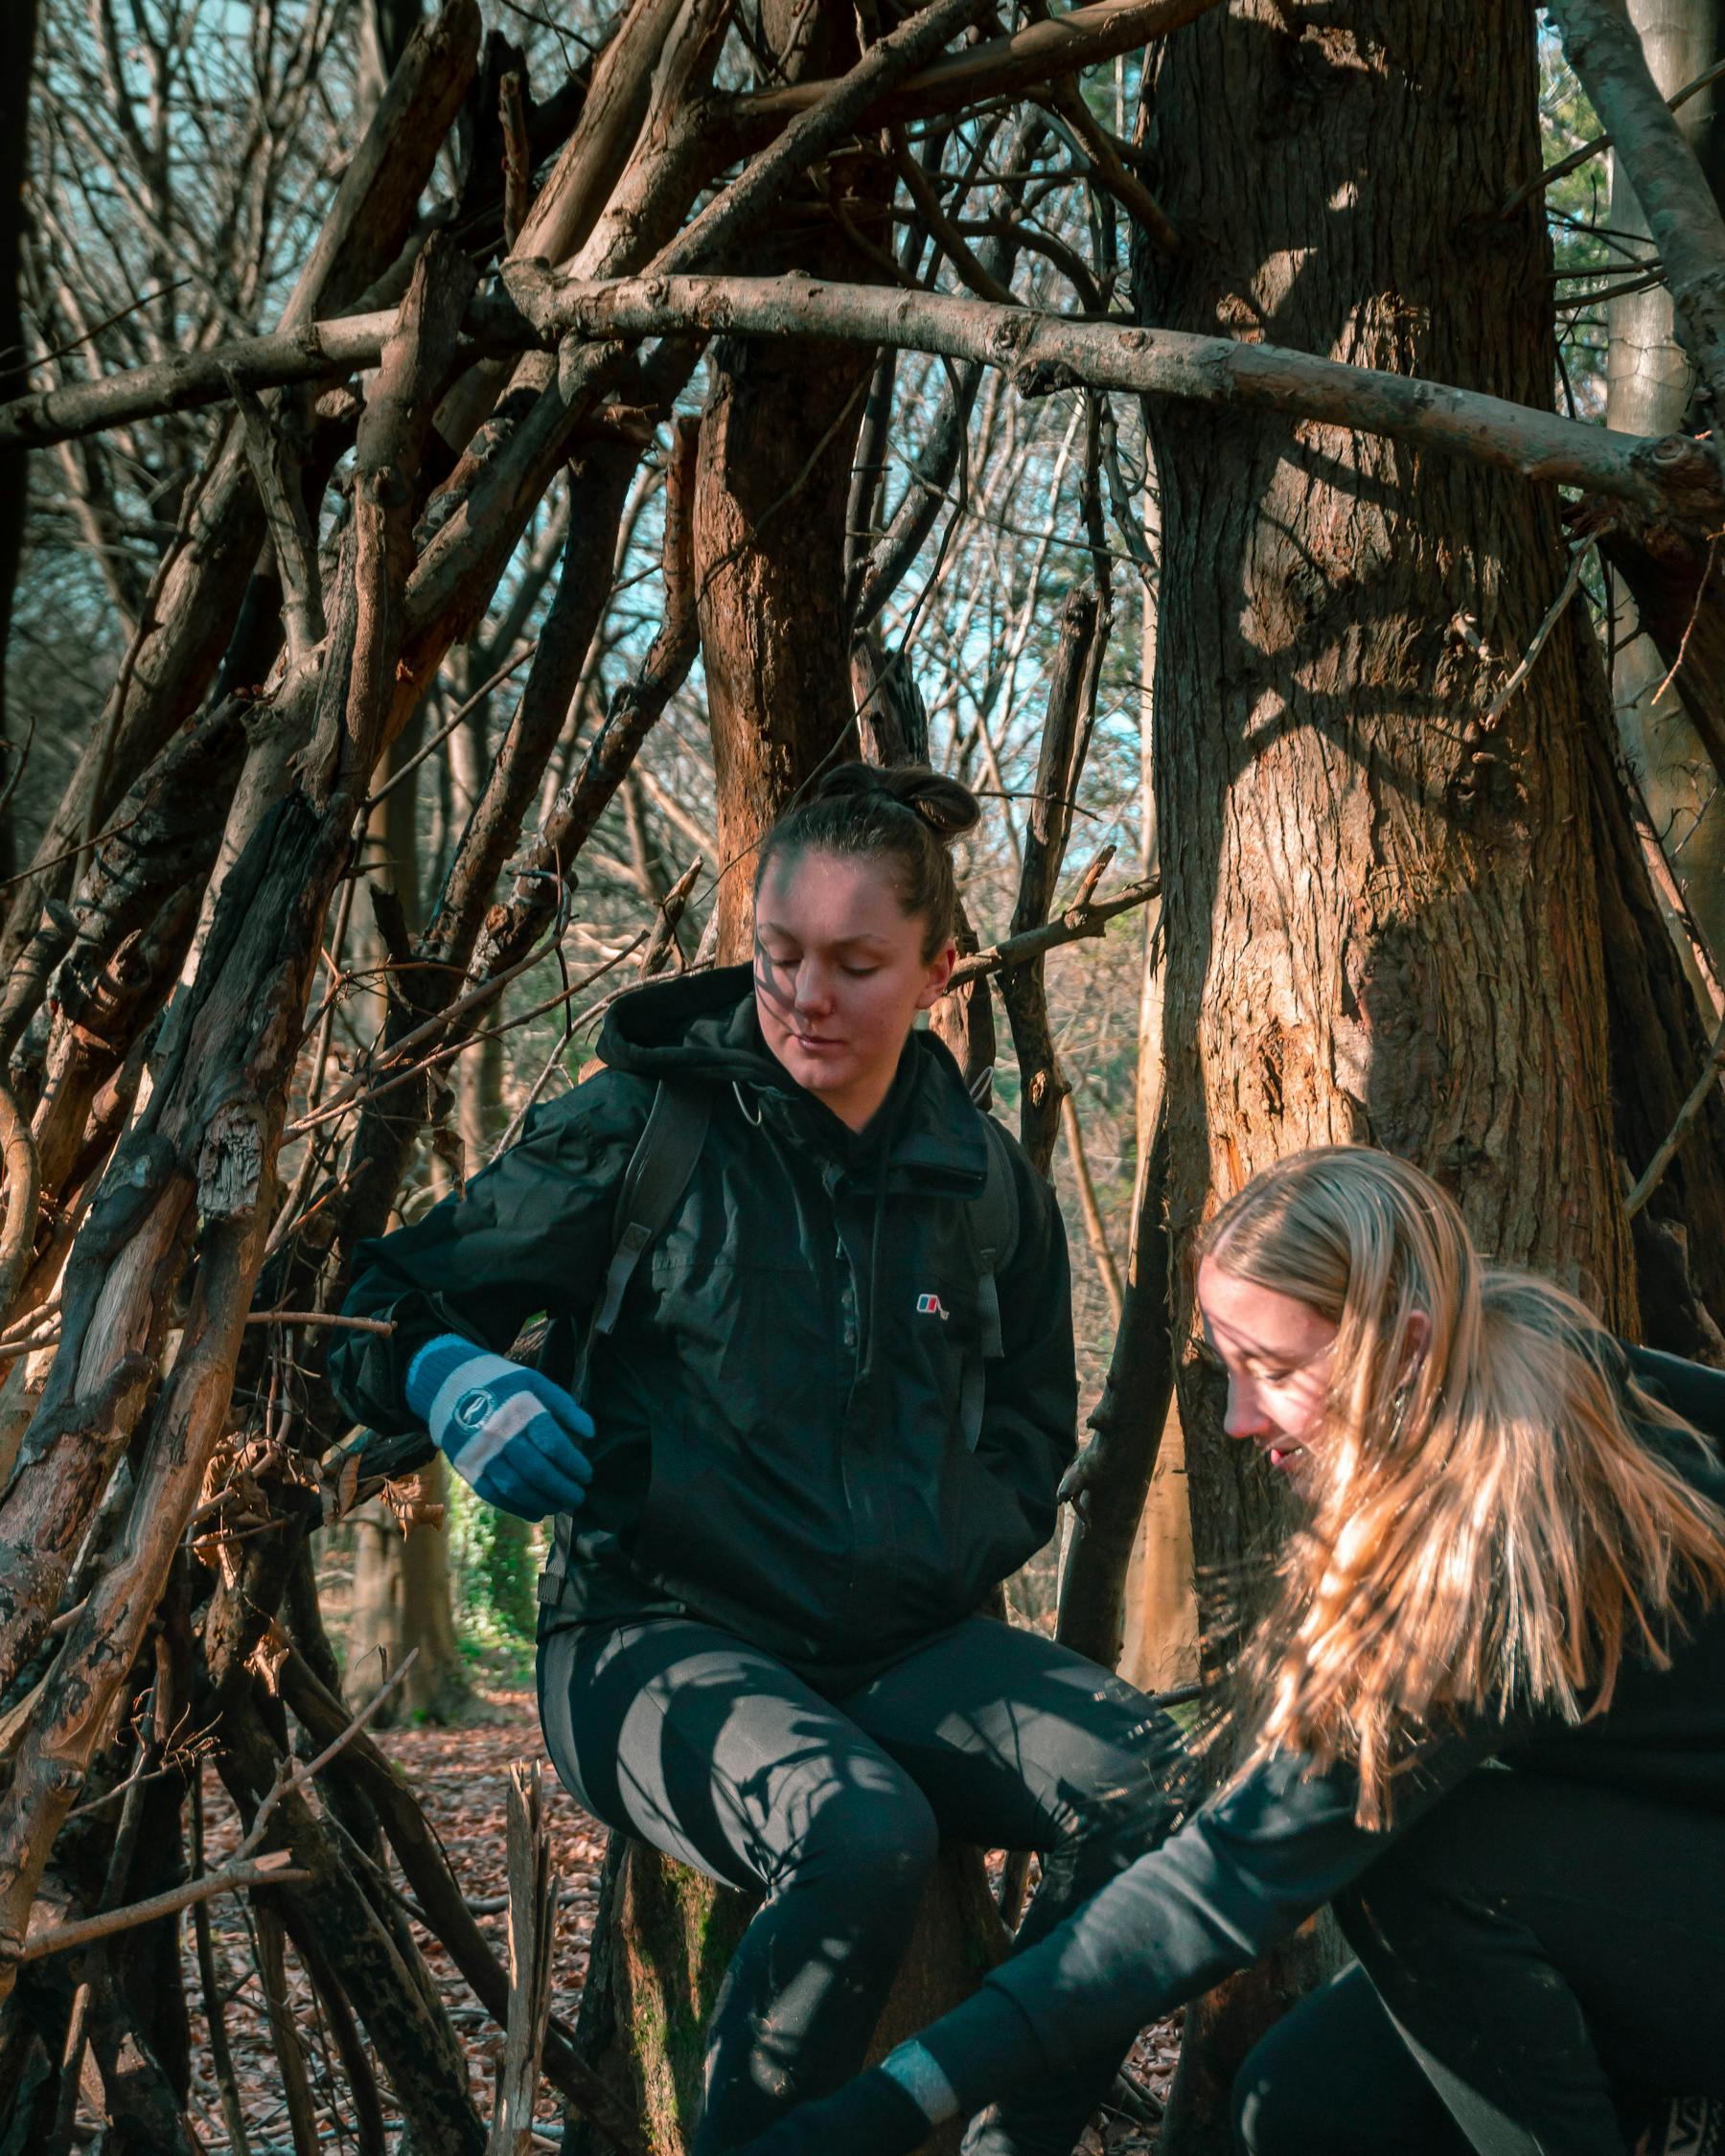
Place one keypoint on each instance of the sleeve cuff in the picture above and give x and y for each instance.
(433, 1365)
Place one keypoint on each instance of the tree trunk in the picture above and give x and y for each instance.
(17, 52)
(401, 1601)
(776, 442)
(1380, 910)
(1648, 387)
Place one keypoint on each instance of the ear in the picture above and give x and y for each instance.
(940, 972)
(1416, 1341)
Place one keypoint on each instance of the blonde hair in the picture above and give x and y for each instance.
(1489, 1532)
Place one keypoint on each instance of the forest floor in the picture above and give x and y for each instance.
(460, 1775)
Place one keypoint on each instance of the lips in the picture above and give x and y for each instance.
(1283, 1457)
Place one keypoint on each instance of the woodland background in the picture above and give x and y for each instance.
(375, 709)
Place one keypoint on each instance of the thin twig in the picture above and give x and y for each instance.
(443, 733)
(1592, 149)
(269, 1869)
(1496, 708)
(1089, 919)
(1689, 627)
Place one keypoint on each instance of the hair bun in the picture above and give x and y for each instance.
(948, 808)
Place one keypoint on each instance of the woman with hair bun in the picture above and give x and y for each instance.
(1483, 1717)
(826, 1397)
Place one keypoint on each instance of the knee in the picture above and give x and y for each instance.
(876, 1831)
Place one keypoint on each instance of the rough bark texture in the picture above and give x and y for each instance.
(17, 51)
(1380, 911)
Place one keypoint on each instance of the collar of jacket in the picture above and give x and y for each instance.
(927, 1135)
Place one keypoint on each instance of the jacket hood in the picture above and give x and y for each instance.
(704, 1026)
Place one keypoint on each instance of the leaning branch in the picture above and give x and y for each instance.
(271, 1870)
(1669, 1146)
(1002, 67)
(1041, 353)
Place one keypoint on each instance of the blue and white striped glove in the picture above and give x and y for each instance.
(508, 1432)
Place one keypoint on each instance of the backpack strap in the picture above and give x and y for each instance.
(656, 1176)
(995, 1228)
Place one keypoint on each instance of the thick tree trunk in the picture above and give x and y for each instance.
(1379, 905)
(776, 444)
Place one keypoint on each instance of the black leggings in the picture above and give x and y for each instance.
(718, 1754)
(1539, 1962)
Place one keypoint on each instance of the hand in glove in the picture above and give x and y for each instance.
(871, 2115)
(508, 1432)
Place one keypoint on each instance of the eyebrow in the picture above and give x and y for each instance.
(842, 943)
(1250, 1350)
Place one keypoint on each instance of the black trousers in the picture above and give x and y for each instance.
(834, 1809)
(1540, 1961)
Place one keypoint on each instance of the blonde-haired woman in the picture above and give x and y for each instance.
(1483, 1717)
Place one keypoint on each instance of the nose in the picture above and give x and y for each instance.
(1245, 1416)
(814, 988)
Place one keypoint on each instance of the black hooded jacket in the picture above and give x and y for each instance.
(779, 1441)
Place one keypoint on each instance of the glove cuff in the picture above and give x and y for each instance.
(434, 1364)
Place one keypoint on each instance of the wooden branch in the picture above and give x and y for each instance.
(221, 2056)
(380, 188)
(671, 909)
(1106, 1485)
(1084, 627)
(383, 1325)
(830, 115)
(1668, 1149)
(315, 351)
(1043, 352)
(1109, 170)
(1096, 1228)
(427, 1870)
(1683, 213)
(1553, 613)
(635, 709)
(1002, 67)
(270, 1869)
(518, 163)
(941, 228)
(281, 488)
(23, 1196)
(1090, 919)
(532, 1933)
(1665, 474)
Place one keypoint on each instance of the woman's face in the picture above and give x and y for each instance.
(839, 976)
(1276, 1352)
